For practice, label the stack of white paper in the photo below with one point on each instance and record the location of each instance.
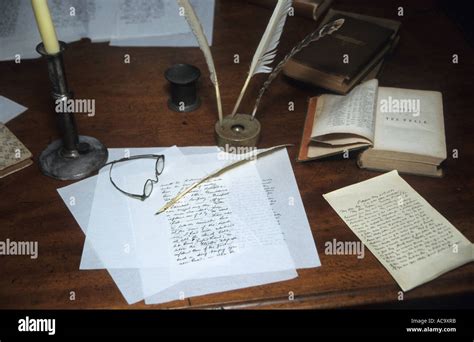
(122, 22)
(245, 228)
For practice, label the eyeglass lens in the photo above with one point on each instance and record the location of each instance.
(160, 165)
(148, 188)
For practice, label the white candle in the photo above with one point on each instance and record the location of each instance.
(45, 26)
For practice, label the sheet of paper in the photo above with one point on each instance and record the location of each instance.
(282, 191)
(204, 10)
(407, 235)
(286, 202)
(280, 184)
(201, 287)
(110, 231)
(225, 227)
(71, 18)
(299, 238)
(353, 113)
(9, 109)
(227, 222)
(78, 198)
(123, 22)
(102, 19)
(145, 18)
(18, 32)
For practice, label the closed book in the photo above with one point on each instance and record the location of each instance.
(14, 156)
(340, 61)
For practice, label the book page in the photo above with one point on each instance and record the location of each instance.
(407, 235)
(352, 114)
(410, 121)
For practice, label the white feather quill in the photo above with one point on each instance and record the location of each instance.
(198, 32)
(329, 28)
(267, 49)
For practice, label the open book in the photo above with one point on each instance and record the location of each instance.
(403, 127)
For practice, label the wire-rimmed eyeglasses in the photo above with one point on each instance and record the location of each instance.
(148, 186)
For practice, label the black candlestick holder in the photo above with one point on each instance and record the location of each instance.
(73, 156)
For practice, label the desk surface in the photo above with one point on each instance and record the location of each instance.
(132, 112)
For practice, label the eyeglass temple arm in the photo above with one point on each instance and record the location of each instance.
(141, 156)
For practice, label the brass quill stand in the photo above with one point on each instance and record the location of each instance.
(240, 130)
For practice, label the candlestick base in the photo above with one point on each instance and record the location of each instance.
(240, 130)
(62, 164)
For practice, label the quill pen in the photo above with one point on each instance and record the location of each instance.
(266, 50)
(310, 38)
(218, 172)
(198, 32)
(329, 28)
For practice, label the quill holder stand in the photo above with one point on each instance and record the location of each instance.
(240, 130)
(73, 156)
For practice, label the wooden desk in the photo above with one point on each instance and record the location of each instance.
(132, 112)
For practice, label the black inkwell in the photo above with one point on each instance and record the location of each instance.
(183, 87)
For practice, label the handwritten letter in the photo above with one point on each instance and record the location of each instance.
(409, 237)
(201, 227)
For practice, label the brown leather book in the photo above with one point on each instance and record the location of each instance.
(312, 9)
(358, 39)
(364, 40)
